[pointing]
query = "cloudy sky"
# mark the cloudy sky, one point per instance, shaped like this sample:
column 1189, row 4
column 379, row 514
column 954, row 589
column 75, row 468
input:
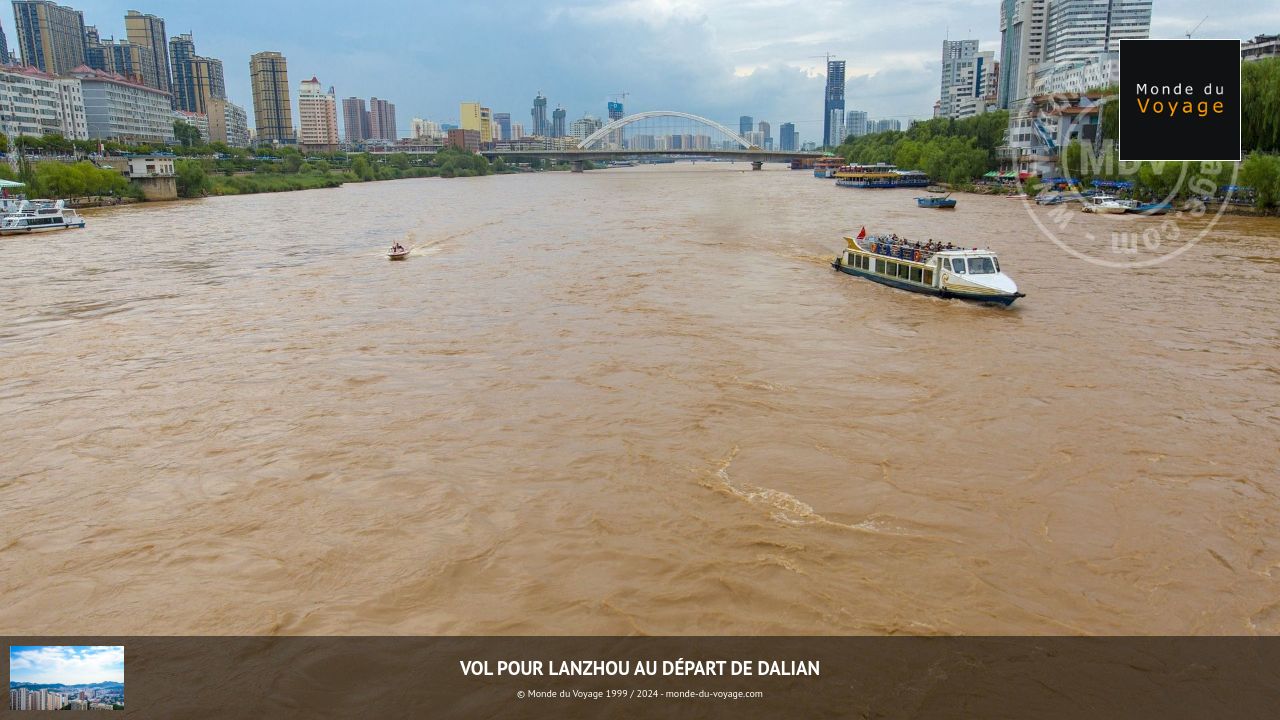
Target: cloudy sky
column 717, row 58
column 67, row 664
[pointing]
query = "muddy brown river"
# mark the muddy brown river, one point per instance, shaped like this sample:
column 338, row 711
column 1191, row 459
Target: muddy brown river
column 628, row 401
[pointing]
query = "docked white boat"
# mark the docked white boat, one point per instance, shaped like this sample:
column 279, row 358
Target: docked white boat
column 40, row 216
column 1108, row 205
column 949, row 273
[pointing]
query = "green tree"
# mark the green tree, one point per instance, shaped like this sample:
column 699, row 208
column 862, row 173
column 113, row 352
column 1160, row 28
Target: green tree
column 1260, row 97
column 188, row 135
column 362, row 169
column 192, row 179
column 1262, row 173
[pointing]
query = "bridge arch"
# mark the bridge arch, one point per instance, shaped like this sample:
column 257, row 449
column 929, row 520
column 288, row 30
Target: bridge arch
column 618, row 125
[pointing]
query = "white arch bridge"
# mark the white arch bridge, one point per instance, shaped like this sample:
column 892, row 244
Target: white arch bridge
column 607, row 143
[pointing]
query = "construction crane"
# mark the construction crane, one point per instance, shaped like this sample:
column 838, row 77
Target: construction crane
column 1197, row 27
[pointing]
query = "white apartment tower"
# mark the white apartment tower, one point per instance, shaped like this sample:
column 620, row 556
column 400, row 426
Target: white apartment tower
column 317, row 117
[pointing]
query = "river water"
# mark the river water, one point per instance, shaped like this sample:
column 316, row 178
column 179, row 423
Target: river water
column 627, row 401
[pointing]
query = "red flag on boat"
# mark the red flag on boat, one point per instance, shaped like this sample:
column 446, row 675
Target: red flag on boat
column 863, row 232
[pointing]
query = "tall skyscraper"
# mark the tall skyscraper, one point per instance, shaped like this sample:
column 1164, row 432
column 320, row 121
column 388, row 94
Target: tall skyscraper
column 1022, row 27
column 50, row 36
column 967, row 74
column 833, row 104
column 4, row 47
column 1079, row 30
column 272, row 111
column 787, row 137
column 181, row 49
column 855, row 123
column 765, row 132
column 382, row 120
column 502, row 121
column 197, row 80
column 136, row 62
column 745, row 125
column 355, row 120
column 558, row 122
column 317, row 117
column 148, row 31
column 540, row 126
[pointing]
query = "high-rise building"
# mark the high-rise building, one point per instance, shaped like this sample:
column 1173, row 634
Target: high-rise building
column 1079, row 30
column 196, row 79
column 207, row 80
column 967, row 74
column 541, row 128
column 1022, row 28
column 517, row 131
column 382, row 120
column 765, row 132
column 317, row 117
column 502, row 125
column 4, row 47
column 486, row 125
column 50, row 36
column 272, row 110
column 788, row 140
column 136, row 62
column 181, row 49
column 228, row 123
column 582, row 128
column 855, row 123
column 833, row 103
column 745, row 125
column 148, row 31
column 886, row 125
column 355, row 120
column 469, row 117
column 558, row 122
column 425, row 130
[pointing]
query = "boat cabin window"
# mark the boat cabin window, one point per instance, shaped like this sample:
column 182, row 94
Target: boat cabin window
column 981, row 266
column 903, row 270
column 957, row 265
column 915, row 274
column 880, row 266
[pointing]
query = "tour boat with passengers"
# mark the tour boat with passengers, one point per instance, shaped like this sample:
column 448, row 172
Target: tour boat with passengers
column 932, row 269
column 40, row 216
column 942, row 203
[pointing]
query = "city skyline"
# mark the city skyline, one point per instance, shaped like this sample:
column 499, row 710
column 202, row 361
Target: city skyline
column 729, row 58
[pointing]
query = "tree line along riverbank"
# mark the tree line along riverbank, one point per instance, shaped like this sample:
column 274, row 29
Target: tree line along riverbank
column 959, row 152
column 52, row 166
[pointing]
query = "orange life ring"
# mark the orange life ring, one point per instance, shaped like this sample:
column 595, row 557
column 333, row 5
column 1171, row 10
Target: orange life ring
column 873, row 247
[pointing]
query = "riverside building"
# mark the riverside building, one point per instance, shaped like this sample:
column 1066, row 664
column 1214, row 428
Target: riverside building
column 37, row 103
column 272, row 112
column 317, row 118
column 117, row 108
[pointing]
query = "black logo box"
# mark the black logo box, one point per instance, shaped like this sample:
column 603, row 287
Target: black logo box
column 1189, row 64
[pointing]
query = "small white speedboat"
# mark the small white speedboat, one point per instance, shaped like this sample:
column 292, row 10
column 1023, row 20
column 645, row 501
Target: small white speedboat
column 398, row 252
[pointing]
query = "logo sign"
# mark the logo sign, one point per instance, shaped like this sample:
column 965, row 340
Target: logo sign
column 1180, row 100
column 615, row 107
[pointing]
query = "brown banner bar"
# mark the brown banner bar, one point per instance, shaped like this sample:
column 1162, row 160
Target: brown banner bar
column 694, row 677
